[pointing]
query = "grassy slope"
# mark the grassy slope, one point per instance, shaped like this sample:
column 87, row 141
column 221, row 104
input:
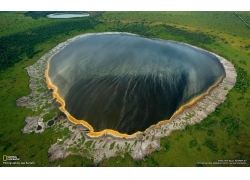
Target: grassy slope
column 223, row 135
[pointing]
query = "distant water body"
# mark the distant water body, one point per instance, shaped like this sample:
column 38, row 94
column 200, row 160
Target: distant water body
column 126, row 82
column 59, row 15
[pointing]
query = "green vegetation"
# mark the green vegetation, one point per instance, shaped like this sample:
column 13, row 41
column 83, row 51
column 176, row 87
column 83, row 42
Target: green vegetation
column 104, row 146
column 94, row 144
column 211, row 145
column 189, row 116
column 13, row 46
column 88, row 144
column 192, row 143
column 50, row 115
column 222, row 135
column 112, row 145
column 134, row 144
column 73, row 149
column 166, row 147
column 243, row 80
column 83, row 138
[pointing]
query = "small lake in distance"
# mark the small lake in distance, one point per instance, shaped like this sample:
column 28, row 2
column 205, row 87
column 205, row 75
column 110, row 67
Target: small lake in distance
column 66, row 15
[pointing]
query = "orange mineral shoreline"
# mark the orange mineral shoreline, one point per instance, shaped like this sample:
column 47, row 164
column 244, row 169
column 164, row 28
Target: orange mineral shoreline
column 110, row 131
column 195, row 100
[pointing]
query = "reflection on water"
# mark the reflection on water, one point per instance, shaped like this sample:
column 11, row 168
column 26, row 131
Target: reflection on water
column 60, row 15
column 127, row 83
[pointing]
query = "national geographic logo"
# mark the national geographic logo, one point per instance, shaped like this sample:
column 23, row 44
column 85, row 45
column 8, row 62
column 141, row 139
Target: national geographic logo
column 14, row 160
column 5, row 158
column 10, row 158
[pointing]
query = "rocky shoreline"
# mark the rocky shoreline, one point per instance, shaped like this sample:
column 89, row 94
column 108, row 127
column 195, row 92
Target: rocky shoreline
column 79, row 141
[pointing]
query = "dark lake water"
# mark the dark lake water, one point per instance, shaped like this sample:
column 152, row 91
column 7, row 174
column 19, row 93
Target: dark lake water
column 39, row 128
column 60, row 15
column 127, row 83
column 50, row 123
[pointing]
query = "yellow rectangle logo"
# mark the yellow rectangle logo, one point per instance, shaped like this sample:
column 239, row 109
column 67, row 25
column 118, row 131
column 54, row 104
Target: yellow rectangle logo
column 5, row 158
